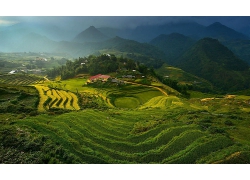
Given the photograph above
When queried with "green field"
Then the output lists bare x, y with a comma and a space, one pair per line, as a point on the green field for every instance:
125, 124
132, 96
118, 136
20, 79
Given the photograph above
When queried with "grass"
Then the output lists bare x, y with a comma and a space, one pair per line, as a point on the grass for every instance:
131, 96
72, 85
162, 102
126, 102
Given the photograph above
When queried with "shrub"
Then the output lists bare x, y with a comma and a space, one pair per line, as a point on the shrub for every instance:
33, 113
228, 123
214, 130
14, 102
21, 116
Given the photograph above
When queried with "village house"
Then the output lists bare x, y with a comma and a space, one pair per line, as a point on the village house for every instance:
40, 59
98, 77
114, 80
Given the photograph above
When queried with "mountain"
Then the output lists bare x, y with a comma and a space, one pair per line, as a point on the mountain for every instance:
15, 37
222, 33
245, 30
26, 42
110, 32
211, 60
146, 33
241, 48
49, 30
142, 52
173, 45
35, 43
91, 34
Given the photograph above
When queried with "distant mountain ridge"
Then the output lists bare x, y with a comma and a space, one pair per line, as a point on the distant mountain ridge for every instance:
222, 33
173, 45
146, 33
174, 39
91, 34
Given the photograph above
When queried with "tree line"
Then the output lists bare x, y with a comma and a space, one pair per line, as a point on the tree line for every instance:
108, 63
92, 65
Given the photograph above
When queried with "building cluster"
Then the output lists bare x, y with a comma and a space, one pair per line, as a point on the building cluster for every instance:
104, 78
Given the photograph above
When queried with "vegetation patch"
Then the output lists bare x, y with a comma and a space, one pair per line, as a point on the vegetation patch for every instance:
126, 102
53, 98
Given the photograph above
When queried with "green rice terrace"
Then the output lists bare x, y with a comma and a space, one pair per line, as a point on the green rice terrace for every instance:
70, 121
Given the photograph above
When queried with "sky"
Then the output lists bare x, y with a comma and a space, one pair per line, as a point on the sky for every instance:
129, 13
82, 22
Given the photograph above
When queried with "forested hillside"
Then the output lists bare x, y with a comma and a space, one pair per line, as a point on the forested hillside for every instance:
209, 59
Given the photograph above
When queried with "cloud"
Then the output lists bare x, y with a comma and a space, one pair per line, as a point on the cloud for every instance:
7, 23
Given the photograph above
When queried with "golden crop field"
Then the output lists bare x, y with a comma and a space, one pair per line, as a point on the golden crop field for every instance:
53, 98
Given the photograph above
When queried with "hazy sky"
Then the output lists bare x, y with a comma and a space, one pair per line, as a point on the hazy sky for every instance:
129, 13
235, 22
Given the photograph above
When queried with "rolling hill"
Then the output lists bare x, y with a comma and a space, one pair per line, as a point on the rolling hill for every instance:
183, 77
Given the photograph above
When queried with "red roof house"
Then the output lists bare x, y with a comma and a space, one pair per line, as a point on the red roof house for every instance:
99, 77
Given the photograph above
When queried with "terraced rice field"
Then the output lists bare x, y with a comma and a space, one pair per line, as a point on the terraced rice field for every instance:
162, 102
19, 79
109, 137
132, 96
51, 98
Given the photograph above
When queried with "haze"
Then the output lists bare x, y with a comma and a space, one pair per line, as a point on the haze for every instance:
79, 23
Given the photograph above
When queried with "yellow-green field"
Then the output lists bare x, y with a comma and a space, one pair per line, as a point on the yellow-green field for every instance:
58, 99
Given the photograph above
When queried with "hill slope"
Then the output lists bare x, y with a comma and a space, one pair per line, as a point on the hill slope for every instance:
240, 48
173, 45
209, 59
185, 78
